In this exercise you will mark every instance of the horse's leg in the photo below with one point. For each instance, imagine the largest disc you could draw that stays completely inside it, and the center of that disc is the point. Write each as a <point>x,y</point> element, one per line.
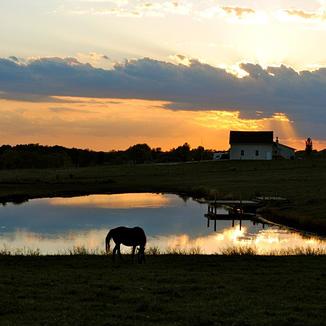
<point>119,251</point>
<point>133,253</point>
<point>141,255</point>
<point>114,252</point>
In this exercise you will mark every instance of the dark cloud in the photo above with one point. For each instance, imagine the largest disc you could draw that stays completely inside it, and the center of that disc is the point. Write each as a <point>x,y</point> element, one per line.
<point>301,95</point>
<point>13,58</point>
<point>29,97</point>
<point>69,110</point>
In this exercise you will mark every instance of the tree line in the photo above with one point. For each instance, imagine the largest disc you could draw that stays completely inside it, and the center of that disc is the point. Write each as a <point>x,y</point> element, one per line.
<point>39,156</point>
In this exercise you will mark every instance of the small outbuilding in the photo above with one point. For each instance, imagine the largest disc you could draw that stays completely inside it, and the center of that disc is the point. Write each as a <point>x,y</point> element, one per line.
<point>257,145</point>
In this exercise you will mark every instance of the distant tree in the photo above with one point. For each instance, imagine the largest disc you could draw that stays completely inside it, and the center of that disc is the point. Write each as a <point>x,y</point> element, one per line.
<point>139,153</point>
<point>157,154</point>
<point>309,147</point>
<point>38,156</point>
<point>183,152</point>
<point>198,153</point>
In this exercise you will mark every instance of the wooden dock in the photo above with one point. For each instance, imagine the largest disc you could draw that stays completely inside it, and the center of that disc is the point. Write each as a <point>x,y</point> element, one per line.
<point>271,198</point>
<point>239,205</point>
<point>239,210</point>
<point>232,217</point>
<point>233,202</point>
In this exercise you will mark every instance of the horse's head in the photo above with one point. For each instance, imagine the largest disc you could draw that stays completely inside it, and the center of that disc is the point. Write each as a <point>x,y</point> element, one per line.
<point>107,242</point>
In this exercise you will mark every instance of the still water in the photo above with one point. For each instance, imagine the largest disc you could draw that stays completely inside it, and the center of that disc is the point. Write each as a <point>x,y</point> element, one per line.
<point>56,225</point>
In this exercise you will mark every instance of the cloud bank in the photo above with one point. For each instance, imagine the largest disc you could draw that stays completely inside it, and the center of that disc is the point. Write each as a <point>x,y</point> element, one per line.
<point>197,86</point>
<point>199,10</point>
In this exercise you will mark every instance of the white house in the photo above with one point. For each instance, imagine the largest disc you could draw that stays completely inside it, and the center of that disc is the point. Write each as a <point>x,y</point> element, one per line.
<point>257,145</point>
<point>283,151</point>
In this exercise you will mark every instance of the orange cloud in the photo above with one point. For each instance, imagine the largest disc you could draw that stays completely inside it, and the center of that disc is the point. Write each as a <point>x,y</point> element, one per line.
<point>106,124</point>
<point>238,11</point>
<point>307,15</point>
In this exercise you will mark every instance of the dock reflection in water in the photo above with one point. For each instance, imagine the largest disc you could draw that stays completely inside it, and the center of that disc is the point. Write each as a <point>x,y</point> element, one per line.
<point>59,224</point>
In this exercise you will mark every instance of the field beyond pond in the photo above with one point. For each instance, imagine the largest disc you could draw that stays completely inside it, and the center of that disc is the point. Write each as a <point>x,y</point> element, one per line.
<point>167,290</point>
<point>303,182</point>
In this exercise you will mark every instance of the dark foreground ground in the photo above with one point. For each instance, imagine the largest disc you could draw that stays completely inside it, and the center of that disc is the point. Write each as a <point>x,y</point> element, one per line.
<point>167,290</point>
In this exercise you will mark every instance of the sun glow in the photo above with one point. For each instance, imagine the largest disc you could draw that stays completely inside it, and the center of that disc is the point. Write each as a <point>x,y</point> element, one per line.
<point>106,124</point>
<point>270,241</point>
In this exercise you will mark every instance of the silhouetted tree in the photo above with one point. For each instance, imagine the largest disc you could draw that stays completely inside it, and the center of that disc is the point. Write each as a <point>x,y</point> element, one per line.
<point>182,153</point>
<point>37,156</point>
<point>157,154</point>
<point>139,153</point>
<point>308,149</point>
<point>198,153</point>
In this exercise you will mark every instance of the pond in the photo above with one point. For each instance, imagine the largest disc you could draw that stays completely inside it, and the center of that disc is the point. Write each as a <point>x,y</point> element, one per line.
<point>172,223</point>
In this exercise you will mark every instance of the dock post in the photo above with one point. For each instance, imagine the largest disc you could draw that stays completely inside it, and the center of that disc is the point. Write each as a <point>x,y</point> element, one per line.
<point>215,225</point>
<point>240,224</point>
<point>207,222</point>
<point>233,223</point>
<point>240,203</point>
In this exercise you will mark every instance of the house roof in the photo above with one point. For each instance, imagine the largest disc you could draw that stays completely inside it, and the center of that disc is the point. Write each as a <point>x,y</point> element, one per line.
<point>253,137</point>
<point>282,145</point>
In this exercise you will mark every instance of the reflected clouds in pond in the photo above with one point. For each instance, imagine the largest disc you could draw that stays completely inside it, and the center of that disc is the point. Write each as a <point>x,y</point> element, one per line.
<point>56,225</point>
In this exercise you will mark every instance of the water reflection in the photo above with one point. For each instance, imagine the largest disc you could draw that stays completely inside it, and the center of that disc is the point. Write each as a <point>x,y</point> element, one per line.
<point>126,201</point>
<point>57,225</point>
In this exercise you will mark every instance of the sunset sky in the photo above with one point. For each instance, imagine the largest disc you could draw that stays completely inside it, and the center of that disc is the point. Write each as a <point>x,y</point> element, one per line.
<point>107,74</point>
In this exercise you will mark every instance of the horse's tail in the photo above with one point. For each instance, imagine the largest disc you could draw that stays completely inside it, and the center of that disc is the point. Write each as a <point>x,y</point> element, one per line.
<point>107,242</point>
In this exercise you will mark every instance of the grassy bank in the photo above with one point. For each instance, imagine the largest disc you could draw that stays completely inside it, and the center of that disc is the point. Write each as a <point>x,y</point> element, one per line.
<point>302,182</point>
<point>167,290</point>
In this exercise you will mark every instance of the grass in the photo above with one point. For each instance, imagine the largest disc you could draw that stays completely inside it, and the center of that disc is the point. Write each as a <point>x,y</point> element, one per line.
<point>167,290</point>
<point>155,251</point>
<point>303,182</point>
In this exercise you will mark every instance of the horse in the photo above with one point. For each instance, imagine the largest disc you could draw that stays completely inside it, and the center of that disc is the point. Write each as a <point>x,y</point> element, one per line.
<point>131,237</point>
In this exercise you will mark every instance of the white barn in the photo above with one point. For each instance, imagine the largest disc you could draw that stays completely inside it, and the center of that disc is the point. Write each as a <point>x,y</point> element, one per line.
<point>257,145</point>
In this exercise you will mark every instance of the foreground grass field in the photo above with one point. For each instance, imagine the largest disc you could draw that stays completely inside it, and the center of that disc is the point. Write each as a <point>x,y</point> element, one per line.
<point>302,182</point>
<point>167,290</point>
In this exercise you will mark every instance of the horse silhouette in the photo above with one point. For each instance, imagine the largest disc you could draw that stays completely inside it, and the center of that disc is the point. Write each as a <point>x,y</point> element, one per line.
<point>131,237</point>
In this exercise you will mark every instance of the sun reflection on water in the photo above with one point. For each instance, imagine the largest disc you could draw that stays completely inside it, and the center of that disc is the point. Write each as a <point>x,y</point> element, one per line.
<point>269,241</point>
